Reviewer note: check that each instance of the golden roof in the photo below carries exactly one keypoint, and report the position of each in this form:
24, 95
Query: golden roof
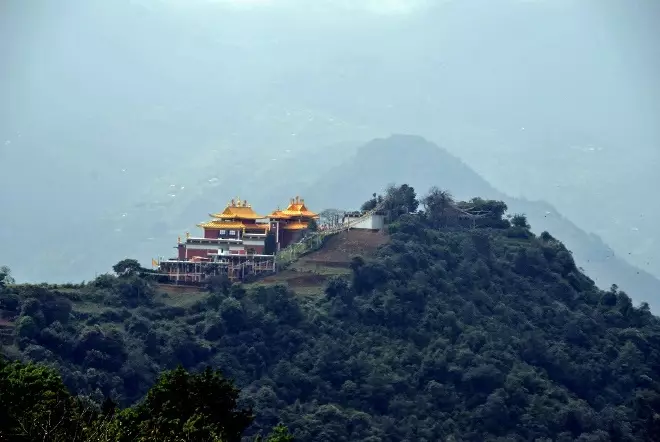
219, 224
237, 209
277, 214
295, 226
296, 208
214, 224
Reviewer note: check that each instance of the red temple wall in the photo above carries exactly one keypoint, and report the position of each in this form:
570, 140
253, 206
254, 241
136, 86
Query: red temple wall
211, 233
203, 253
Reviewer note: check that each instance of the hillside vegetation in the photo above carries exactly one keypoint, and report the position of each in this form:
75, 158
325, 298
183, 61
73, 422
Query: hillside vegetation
422, 164
464, 326
36, 406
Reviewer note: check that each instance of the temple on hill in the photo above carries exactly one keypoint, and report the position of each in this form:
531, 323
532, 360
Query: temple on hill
234, 242
235, 230
289, 225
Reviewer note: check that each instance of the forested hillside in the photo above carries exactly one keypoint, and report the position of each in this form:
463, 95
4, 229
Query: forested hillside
464, 326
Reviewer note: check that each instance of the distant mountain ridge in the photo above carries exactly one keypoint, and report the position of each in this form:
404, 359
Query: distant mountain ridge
422, 164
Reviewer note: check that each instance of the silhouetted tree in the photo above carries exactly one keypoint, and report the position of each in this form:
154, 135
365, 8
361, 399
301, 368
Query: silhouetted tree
399, 201
520, 220
127, 267
437, 204
5, 276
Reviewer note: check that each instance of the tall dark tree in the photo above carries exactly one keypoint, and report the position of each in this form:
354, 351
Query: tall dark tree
437, 203
399, 201
203, 406
5, 276
127, 267
520, 220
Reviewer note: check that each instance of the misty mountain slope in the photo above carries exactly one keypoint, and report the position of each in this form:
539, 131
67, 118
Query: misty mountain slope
415, 161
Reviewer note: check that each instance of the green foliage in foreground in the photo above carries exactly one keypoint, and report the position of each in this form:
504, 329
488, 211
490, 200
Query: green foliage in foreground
465, 329
35, 405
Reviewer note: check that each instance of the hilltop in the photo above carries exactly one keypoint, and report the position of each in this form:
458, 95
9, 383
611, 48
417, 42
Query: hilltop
415, 160
454, 328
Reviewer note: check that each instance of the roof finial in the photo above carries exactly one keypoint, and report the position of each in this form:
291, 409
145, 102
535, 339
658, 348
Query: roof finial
232, 202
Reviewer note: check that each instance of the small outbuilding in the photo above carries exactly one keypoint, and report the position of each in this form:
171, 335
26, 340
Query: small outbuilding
364, 220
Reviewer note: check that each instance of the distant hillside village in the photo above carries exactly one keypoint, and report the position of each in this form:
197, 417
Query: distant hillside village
238, 242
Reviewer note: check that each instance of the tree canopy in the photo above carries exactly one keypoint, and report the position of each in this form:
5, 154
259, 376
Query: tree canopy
35, 405
127, 267
5, 276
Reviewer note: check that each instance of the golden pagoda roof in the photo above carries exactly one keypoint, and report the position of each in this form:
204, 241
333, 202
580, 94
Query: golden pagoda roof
296, 226
216, 224
219, 224
237, 209
296, 208
277, 214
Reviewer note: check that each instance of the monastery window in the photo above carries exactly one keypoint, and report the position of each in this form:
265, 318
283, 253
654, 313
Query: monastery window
232, 232
223, 232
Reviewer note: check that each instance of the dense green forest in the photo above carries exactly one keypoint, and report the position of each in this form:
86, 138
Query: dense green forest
202, 407
465, 326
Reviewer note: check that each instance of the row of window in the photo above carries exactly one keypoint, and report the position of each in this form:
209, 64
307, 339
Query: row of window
224, 232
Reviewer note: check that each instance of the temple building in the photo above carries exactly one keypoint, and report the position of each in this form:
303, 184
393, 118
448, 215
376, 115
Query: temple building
290, 225
238, 242
235, 230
